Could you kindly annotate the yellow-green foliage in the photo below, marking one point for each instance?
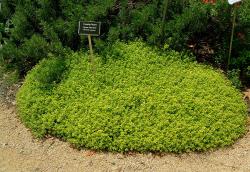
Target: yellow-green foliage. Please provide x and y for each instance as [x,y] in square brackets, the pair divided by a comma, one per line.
[138,100]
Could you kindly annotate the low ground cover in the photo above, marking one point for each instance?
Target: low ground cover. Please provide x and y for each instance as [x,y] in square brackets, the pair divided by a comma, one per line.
[136,100]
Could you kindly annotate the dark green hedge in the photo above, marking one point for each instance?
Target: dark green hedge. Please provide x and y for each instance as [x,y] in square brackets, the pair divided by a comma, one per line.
[138,100]
[50,26]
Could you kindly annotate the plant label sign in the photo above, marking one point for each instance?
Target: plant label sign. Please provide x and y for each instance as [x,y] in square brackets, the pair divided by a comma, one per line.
[89,28]
[231,2]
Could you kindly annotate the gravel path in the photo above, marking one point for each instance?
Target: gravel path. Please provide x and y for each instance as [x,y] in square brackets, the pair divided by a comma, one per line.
[20,152]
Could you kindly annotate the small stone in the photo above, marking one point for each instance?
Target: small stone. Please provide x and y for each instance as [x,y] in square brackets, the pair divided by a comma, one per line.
[5,144]
[21,151]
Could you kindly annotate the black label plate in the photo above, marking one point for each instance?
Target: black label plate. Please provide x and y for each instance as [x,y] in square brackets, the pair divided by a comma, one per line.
[89,28]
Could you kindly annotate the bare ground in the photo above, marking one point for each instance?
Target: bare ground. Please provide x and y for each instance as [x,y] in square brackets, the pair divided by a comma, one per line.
[19,151]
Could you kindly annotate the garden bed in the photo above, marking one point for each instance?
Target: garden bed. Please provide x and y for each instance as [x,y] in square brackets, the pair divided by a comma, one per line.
[137,100]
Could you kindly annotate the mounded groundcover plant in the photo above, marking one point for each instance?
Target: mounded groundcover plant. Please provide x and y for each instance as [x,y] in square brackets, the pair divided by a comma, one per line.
[136,100]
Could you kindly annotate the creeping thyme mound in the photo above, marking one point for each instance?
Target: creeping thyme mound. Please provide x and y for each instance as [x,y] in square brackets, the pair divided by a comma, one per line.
[137,100]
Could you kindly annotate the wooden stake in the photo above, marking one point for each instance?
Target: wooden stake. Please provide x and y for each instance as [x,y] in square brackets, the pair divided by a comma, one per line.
[91,58]
[91,49]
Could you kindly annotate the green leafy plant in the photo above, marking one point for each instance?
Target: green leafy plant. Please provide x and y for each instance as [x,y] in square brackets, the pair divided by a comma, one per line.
[241,64]
[138,100]
[234,77]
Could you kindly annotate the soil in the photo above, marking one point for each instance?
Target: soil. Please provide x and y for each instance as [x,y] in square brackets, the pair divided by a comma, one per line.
[19,151]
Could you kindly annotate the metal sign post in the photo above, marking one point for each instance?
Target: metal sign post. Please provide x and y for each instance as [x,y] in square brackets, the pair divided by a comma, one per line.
[0,5]
[166,3]
[234,3]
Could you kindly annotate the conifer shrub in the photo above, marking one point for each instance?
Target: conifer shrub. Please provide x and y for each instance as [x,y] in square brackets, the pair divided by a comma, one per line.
[49,26]
[138,100]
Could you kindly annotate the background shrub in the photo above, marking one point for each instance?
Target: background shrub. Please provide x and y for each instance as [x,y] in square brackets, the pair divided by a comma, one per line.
[138,100]
[203,27]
